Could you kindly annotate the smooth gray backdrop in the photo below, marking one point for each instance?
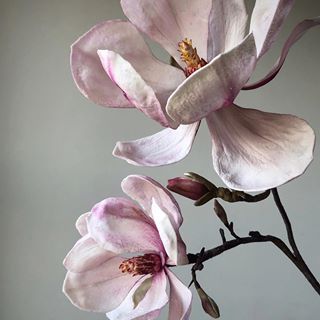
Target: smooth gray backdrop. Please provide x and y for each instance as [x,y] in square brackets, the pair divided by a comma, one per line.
[56,163]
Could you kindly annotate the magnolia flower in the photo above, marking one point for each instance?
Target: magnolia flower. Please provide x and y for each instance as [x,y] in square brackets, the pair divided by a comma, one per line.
[252,150]
[120,265]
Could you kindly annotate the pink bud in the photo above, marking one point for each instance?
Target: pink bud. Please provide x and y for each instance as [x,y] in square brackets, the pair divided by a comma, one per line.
[187,187]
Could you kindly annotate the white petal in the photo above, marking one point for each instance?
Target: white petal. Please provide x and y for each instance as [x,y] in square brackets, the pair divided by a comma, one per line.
[170,236]
[295,35]
[227,26]
[154,300]
[120,226]
[165,147]
[215,85]
[180,299]
[254,150]
[266,21]
[137,91]
[100,289]
[81,224]
[85,255]
[169,22]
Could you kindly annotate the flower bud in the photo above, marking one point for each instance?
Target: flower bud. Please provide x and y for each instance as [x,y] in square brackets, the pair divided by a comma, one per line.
[208,304]
[220,212]
[187,187]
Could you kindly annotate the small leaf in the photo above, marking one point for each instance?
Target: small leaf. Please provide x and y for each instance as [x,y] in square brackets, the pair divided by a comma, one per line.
[141,292]
[208,304]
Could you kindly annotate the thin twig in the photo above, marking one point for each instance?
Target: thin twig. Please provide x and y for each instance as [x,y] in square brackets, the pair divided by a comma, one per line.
[254,237]
[300,263]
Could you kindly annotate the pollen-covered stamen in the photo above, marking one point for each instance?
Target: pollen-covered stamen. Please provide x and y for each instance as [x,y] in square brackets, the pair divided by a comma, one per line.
[149,263]
[190,56]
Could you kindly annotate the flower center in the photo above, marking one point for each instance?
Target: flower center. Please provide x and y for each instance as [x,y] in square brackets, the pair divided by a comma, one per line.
[190,56]
[149,263]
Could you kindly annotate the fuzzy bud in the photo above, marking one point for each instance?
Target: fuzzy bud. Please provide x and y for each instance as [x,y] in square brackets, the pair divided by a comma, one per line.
[187,187]
[208,304]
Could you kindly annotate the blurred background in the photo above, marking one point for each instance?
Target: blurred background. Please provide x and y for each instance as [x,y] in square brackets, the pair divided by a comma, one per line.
[56,163]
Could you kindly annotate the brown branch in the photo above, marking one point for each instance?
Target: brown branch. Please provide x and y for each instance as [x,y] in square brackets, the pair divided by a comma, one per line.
[300,263]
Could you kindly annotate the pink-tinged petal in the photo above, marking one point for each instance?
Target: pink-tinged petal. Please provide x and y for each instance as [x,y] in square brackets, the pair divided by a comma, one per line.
[169,22]
[170,236]
[85,255]
[101,289]
[150,316]
[120,226]
[180,298]
[295,35]
[149,307]
[255,150]
[81,224]
[123,38]
[215,85]
[141,95]
[266,21]
[86,67]
[165,147]
[227,26]
[143,189]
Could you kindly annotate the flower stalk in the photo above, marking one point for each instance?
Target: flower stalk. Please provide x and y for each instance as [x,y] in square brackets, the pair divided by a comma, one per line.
[256,237]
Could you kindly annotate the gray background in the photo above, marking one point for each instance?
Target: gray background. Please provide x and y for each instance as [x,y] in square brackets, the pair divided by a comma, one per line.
[56,163]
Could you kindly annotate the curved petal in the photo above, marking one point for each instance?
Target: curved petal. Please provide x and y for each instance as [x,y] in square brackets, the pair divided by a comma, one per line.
[81,224]
[169,22]
[180,298]
[295,35]
[86,67]
[101,289]
[137,91]
[255,150]
[124,39]
[227,26]
[170,236]
[165,147]
[155,298]
[144,189]
[118,225]
[266,21]
[215,85]
[85,255]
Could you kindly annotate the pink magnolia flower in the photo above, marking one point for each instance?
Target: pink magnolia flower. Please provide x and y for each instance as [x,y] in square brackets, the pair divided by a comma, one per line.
[120,265]
[252,150]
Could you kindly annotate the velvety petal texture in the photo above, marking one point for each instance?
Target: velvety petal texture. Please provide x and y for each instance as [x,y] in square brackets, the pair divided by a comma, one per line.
[163,209]
[81,224]
[165,147]
[180,298]
[115,223]
[85,255]
[254,150]
[131,285]
[145,190]
[134,87]
[170,21]
[227,26]
[121,49]
[101,289]
[266,21]
[155,298]
[86,67]
[215,85]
